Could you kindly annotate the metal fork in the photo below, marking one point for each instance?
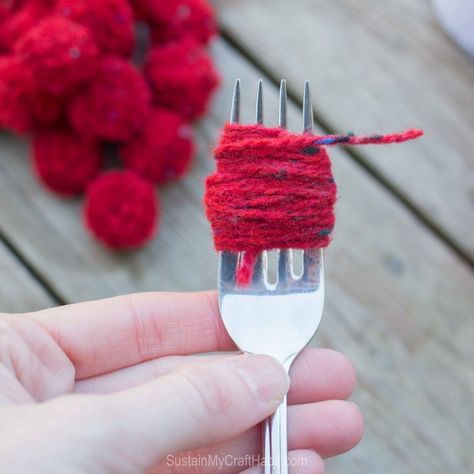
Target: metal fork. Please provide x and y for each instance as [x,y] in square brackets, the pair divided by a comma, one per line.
[278,317]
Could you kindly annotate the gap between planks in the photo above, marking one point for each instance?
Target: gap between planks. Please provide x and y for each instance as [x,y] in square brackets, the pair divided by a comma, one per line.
[20,291]
[32,271]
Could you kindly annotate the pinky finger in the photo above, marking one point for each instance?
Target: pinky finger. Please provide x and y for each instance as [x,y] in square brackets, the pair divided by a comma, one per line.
[300,461]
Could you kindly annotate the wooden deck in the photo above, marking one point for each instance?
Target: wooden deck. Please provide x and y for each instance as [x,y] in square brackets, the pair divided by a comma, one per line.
[399,272]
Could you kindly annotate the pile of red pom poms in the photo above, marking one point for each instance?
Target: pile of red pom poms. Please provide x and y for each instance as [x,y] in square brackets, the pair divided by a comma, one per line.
[68,79]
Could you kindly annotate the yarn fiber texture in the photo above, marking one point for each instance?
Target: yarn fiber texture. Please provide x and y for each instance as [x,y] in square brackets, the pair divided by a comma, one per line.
[182,77]
[111,22]
[274,189]
[162,152]
[175,20]
[20,21]
[121,209]
[15,111]
[65,161]
[61,54]
[114,105]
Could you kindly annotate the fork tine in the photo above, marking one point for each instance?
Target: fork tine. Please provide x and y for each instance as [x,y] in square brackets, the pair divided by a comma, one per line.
[313,267]
[228,265]
[235,111]
[284,268]
[308,122]
[257,277]
[259,105]
[310,257]
[258,273]
[282,118]
[228,261]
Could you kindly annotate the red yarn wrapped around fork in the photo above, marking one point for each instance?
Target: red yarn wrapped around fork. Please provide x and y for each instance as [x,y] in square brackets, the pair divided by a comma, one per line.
[275,189]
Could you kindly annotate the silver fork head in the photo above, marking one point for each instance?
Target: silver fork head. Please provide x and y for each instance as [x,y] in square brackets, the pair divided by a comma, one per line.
[276,317]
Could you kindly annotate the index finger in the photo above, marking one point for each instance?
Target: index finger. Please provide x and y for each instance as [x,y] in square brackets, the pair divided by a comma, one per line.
[105,335]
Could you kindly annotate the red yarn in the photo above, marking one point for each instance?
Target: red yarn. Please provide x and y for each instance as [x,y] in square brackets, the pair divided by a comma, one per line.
[121,209]
[64,161]
[182,76]
[115,104]
[110,21]
[178,19]
[273,189]
[163,151]
[59,53]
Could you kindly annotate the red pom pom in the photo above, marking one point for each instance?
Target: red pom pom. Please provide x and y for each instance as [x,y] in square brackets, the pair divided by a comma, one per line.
[121,209]
[140,9]
[115,104]
[6,10]
[177,19]
[163,151]
[110,21]
[182,77]
[15,108]
[22,105]
[60,54]
[21,21]
[64,161]
[47,109]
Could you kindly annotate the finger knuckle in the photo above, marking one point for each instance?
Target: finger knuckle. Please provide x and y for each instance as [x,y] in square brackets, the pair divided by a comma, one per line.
[8,338]
[347,367]
[204,390]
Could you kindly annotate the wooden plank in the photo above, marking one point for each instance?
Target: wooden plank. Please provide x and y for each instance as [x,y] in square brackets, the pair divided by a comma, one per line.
[391,306]
[19,291]
[378,66]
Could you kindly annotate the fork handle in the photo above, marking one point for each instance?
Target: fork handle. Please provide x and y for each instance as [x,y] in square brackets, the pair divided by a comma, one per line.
[283,437]
[275,444]
[267,457]
[275,437]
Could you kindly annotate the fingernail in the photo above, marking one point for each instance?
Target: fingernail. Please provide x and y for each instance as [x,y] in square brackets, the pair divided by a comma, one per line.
[265,376]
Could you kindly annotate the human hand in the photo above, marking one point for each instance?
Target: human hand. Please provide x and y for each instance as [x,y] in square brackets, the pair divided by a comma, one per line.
[116,386]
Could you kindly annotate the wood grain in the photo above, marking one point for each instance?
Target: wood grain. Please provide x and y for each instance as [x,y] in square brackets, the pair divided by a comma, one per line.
[378,66]
[19,291]
[399,302]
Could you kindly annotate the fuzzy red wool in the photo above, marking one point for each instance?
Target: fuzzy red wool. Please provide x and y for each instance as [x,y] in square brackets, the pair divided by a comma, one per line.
[64,161]
[164,149]
[66,76]
[20,21]
[121,209]
[115,105]
[174,20]
[110,21]
[23,106]
[46,108]
[7,10]
[274,189]
[59,53]
[15,110]
[140,9]
[182,76]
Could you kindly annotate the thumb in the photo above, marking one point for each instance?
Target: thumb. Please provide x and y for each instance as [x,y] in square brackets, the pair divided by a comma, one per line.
[195,406]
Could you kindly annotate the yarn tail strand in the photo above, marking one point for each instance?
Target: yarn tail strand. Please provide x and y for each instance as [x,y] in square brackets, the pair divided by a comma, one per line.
[351,139]
[246,267]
